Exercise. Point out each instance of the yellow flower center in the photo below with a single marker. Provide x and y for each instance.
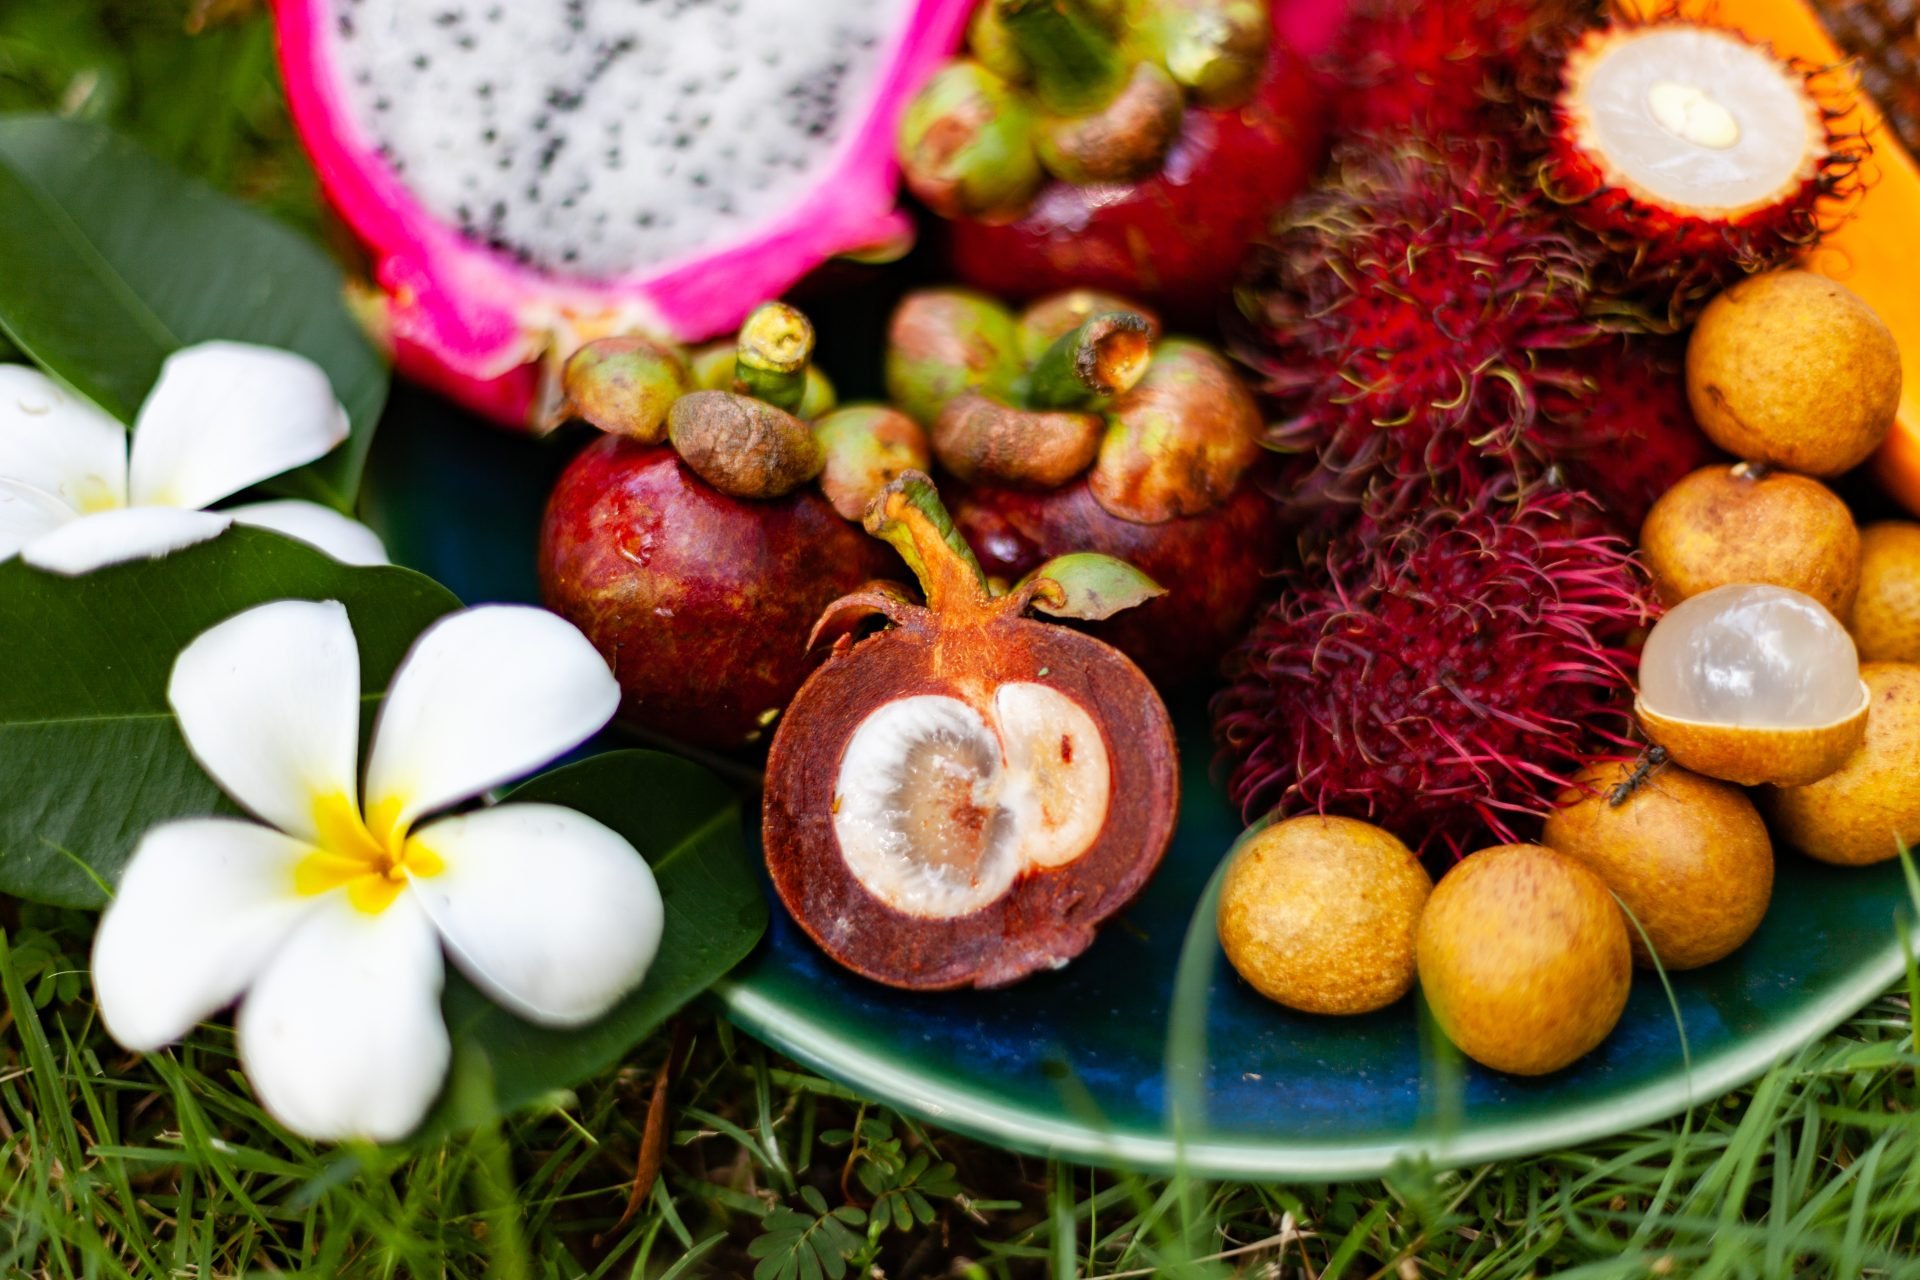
(93, 495)
(347, 853)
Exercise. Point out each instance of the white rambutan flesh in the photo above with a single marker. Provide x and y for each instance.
(1693, 119)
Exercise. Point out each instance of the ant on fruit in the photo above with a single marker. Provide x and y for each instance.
(1650, 759)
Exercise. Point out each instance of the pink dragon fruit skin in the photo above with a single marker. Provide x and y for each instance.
(488, 331)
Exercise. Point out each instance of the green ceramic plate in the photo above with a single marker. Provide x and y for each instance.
(1075, 1063)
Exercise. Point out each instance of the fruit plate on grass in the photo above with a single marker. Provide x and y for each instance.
(1088, 1062)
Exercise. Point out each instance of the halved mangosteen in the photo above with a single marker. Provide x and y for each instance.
(962, 798)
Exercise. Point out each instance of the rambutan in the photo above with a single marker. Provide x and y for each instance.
(1398, 315)
(1449, 69)
(1619, 424)
(1442, 674)
(1695, 156)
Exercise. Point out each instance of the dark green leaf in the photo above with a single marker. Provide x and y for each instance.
(90, 755)
(687, 824)
(114, 260)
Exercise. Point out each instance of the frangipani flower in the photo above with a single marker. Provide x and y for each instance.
(223, 416)
(328, 922)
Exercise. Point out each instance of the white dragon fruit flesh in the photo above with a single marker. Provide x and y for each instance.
(531, 174)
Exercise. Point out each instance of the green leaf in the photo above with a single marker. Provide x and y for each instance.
(114, 261)
(1089, 586)
(90, 754)
(687, 824)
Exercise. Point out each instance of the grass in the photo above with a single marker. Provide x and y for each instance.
(119, 1166)
(113, 1165)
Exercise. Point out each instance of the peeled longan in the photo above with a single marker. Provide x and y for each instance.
(1886, 612)
(1728, 524)
(1524, 958)
(1318, 914)
(1687, 856)
(1792, 369)
(1866, 810)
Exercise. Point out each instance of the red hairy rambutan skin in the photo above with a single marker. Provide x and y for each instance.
(1399, 314)
(1441, 675)
(1452, 69)
(1620, 425)
(1672, 259)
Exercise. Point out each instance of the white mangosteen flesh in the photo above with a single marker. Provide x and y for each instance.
(1695, 118)
(1752, 656)
(939, 808)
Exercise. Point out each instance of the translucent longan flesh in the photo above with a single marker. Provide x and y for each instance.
(937, 811)
(1753, 656)
(1700, 119)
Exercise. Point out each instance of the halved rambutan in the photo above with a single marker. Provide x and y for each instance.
(1441, 674)
(1398, 313)
(1449, 69)
(1696, 156)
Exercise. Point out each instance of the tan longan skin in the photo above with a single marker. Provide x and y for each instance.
(1722, 524)
(1886, 612)
(1523, 958)
(1318, 914)
(1863, 812)
(1688, 856)
(1793, 369)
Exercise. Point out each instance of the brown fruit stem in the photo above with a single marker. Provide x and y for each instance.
(1124, 141)
(742, 446)
(1104, 357)
(1046, 319)
(980, 439)
(625, 386)
(909, 516)
(1075, 65)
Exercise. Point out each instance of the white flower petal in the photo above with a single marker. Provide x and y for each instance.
(341, 1035)
(343, 538)
(225, 415)
(27, 513)
(115, 537)
(552, 914)
(485, 696)
(52, 439)
(269, 701)
(201, 907)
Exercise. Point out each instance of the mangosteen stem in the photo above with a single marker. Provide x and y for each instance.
(1215, 49)
(1101, 359)
(1075, 64)
(770, 364)
(909, 516)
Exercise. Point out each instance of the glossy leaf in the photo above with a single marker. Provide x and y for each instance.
(115, 260)
(687, 824)
(90, 754)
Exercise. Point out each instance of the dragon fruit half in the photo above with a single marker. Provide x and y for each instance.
(532, 174)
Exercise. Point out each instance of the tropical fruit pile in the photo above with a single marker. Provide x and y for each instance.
(1446, 390)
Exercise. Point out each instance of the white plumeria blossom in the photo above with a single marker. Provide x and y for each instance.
(223, 416)
(328, 922)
